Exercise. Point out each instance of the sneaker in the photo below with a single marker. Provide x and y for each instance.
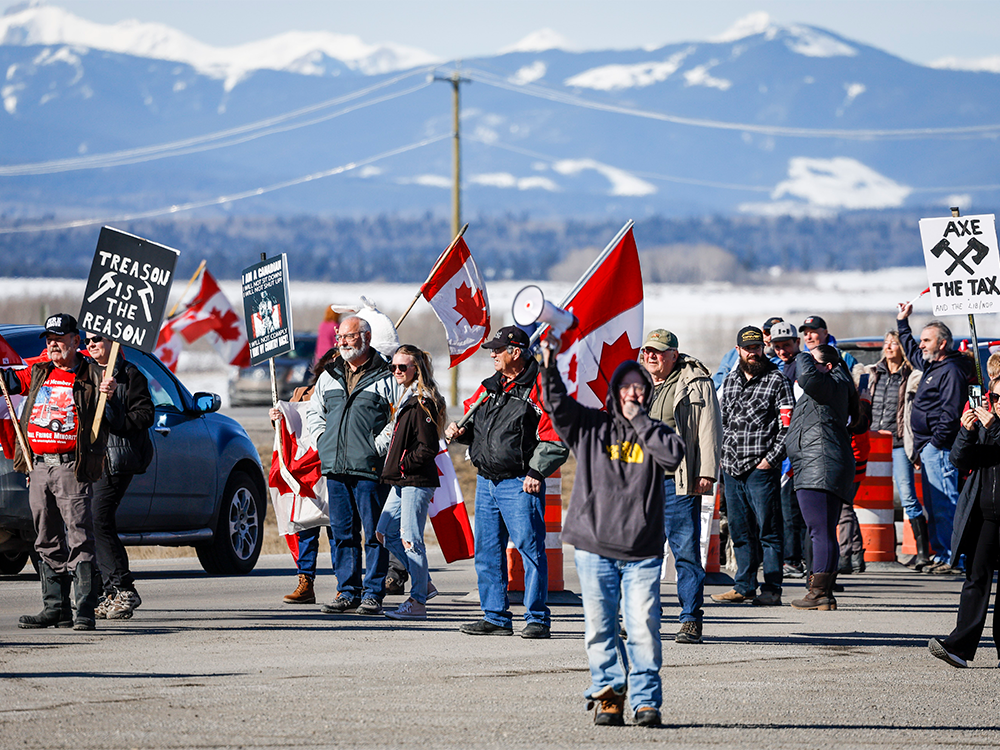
(610, 707)
(411, 609)
(647, 716)
(431, 591)
(730, 597)
(124, 604)
(101, 610)
(535, 630)
(690, 632)
(937, 649)
(340, 605)
(793, 570)
(767, 599)
(944, 569)
(485, 627)
(369, 607)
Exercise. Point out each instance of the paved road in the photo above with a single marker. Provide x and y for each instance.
(220, 662)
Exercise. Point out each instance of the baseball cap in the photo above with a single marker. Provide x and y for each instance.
(769, 323)
(508, 336)
(813, 321)
(783, 332)
(661, 340)
(59, 324)
(749, 336)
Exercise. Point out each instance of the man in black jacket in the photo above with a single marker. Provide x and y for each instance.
(514, 448)
(937, 407)
(130, 451)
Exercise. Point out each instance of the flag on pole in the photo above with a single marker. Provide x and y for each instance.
(448, 514)
(296, 484)
(207, 314)
(608, 308)
(8, 358)
(457, 293)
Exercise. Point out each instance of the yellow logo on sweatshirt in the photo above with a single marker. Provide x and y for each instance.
(630, 453)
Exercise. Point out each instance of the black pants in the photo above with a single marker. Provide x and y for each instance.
(111, 556)
(794, 527)
(975, 601)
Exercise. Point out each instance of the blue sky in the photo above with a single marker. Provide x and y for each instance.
(917, 30)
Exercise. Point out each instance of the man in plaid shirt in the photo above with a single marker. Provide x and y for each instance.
(756, 409)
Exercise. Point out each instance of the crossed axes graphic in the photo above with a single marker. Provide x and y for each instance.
(974, 246)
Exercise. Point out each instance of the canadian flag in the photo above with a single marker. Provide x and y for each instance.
(296, 484)
(448, 514)
(208, 314)
(608, 310)
(8, 358)
(457, 293)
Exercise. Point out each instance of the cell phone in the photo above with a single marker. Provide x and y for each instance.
(975, 396)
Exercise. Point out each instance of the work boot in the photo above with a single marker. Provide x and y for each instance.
(54, 595)
(304, 594)
(610, 707)
(86, 596)
(923, 558)
(858, 562)
(820, 594)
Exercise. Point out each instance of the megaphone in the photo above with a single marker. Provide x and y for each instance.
(530, 306)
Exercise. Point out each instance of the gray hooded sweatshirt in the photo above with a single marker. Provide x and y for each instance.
(616, 509)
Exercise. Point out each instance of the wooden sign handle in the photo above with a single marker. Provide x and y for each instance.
(102, 399)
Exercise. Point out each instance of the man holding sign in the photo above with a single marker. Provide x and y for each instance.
(63, 460)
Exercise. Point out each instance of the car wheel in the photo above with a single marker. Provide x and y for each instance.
(239, 535)
(55, 425)
(12, 563)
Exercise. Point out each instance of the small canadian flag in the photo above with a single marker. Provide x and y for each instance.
(457, 293)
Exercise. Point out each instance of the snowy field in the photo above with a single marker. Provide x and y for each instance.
(705, 317)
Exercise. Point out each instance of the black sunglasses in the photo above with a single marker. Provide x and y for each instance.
(399, 368)
(93, 340)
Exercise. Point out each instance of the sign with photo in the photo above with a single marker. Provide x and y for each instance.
(127, 289)
(267, 309)
(963, 263)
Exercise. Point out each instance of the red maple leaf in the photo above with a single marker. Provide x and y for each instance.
(228, 326)
(571, 370)
(470, 306)
(612, 355)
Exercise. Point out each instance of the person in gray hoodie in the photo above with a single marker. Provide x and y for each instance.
(615, 523)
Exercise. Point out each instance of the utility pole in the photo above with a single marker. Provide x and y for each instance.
(455, 79)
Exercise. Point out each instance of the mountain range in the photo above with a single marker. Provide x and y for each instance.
(104, 122)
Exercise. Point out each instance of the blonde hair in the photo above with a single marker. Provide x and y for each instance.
(426, 389)
(894, 335)
(993, 366)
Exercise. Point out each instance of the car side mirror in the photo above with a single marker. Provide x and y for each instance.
(206, 403)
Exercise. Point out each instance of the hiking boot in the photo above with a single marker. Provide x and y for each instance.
(610, 707)
(767, 599)
(125, 602)
(101, 610)
(647, 716)
(690, 632)
(937, 649)
(944, 569)
(340, 605)
(84, 623)
(485, 627)
(793, 570)
(411, 609)
(304, 594)
(536, 630)
(369, 606)
(730, 597)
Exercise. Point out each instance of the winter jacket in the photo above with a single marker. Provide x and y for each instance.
(350, 430)
(879, 377)
(616, 508)
(414, 445)
(509, 434)
(973, 451)
(696, 412)
(818, 443)
(88, 376)
(130, 449)
(943, 391)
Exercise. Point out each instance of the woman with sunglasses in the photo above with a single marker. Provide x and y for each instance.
(411, 473)
(976, 533)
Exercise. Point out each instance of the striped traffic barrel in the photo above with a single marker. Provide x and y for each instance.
(710, 551)
(553, 541)
(909, 543)
(873, 503)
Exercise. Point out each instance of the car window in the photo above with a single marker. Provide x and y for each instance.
(162, 387)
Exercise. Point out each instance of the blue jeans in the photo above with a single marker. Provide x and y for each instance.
(902, 476)
(355, 505)
(309, 549)
(754, 505)
(940, 478)
(682, 523)
(504, 510)
(403, 519)
(606, 583)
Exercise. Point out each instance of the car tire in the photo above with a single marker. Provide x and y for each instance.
(12, 563)
(239, 534)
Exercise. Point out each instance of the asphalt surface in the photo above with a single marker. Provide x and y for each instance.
(221, 662)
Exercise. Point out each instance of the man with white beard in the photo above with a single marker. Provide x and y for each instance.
(348, 414)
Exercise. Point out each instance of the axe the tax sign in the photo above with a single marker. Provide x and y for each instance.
(963, 264)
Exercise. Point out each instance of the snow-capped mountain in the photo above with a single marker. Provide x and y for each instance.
(138, 118)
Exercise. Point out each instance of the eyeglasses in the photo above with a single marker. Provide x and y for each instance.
(991, 399)
(399, 368)
(657, 352)
(346, 336)
(93, 340)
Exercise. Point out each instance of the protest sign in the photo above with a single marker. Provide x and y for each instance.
(267, 310)
(963, 264)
